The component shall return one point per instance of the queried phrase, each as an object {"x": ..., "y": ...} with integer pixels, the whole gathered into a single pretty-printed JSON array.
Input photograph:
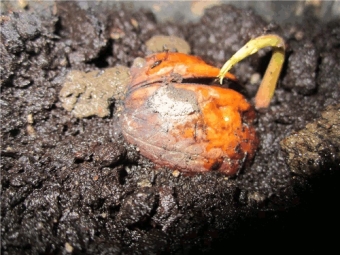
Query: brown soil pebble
[
  {"x": 316, "y": 148},
  {"x": 88, "y": 94},
  {"x": 73, "y": 185}
]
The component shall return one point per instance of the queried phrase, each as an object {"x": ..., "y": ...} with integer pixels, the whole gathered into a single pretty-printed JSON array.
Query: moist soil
[{"x": 73, "y": 185}]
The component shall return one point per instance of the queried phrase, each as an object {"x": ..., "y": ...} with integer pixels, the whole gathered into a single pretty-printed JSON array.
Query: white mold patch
[{"x": 173, "y": 102}]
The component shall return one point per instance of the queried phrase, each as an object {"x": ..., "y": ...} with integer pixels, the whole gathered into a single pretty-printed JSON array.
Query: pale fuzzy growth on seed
[{"x": 163, "y": 102}]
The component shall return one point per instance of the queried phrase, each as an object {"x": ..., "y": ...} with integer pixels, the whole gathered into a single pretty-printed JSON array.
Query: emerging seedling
[
  {"x": 270, "y": 78},
  {"x": 189, "y": 127}
]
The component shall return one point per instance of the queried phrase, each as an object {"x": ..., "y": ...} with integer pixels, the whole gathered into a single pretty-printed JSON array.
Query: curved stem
[{"x": 270, "y": 78}]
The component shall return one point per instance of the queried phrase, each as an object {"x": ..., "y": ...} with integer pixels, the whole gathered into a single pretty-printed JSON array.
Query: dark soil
[{"x": 75, "y": 186}]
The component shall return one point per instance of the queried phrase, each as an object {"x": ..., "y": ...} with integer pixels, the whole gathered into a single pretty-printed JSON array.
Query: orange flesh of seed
[
  {"x": 224, "y": 123},
  {"x": 221, "y": 115},
  {"x": 222, "y": 120},
  {"x": 187, "y": 66}
]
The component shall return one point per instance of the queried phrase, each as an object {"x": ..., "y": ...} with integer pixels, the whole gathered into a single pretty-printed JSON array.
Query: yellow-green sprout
[{"x": 270, "y": 78}]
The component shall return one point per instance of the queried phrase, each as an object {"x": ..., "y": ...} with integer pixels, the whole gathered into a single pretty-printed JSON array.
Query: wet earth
[{"x": 73, "y": 185}]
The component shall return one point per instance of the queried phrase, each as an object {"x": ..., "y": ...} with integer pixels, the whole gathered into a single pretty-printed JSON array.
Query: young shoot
[{"x": 271, "y": 76}]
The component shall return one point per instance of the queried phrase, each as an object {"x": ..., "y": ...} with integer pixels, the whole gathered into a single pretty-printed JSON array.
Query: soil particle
[
  {"x": 130, "y": 43},
  {"x": 129, "y": 32},
  {"x": 76, "y": 181},
  {"x": 316, "y": 148},
  {"x": 159, "y": 43},
  {"x": 137, "y": 208},
  {"x": 88, "y": 94},
  {"x": 329, "y": 68},
  {"x": 301, "y": 65},
  {"x": 33, "y": 54},
  {"x": 109, "y": 154},
  {"x": 83, "y": 31},
  {"x": 168, "y": 209}
]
